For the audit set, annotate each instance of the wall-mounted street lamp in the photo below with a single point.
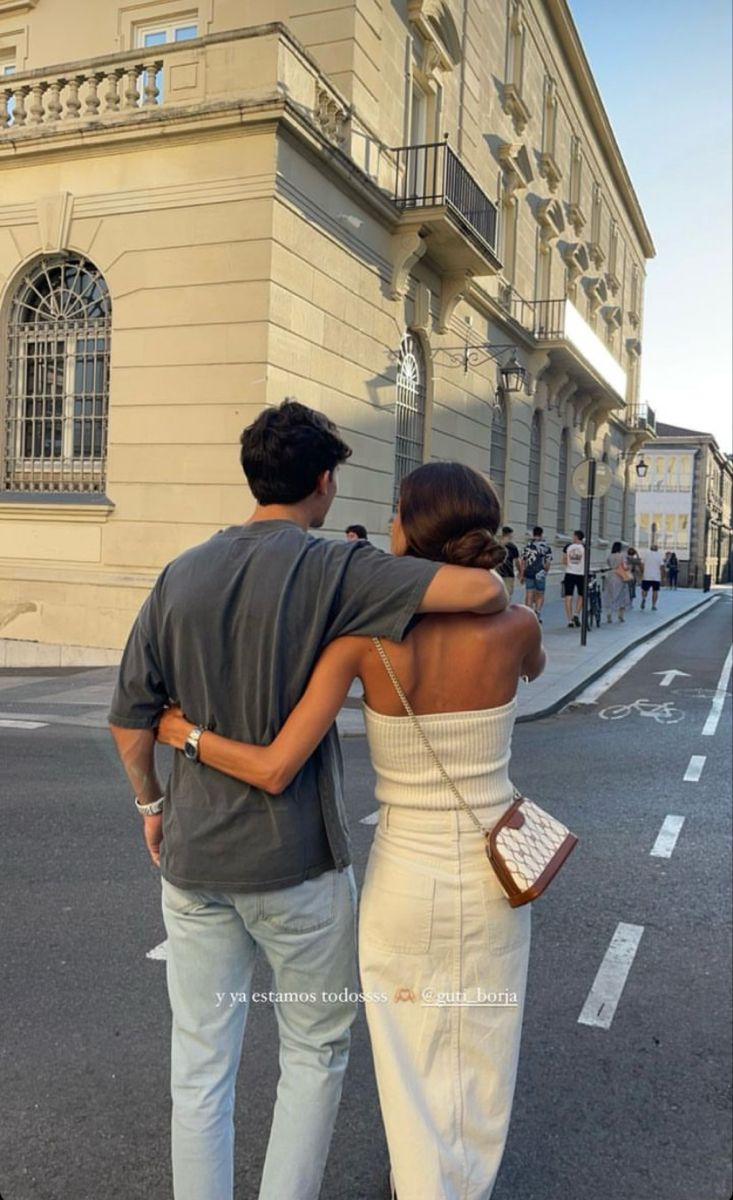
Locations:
(642, 467)
(514, 377)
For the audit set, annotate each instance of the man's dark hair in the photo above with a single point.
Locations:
(286, 449)
(506, 530)
(359, 530)
(537, 531)
(578, 533)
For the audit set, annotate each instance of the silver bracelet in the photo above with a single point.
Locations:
(150, 810)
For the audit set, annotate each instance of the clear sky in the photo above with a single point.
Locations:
(663, 68)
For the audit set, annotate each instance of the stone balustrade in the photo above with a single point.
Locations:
(84, 95)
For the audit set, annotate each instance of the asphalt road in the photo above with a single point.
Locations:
(641, 1109)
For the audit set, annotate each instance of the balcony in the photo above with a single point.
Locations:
(220, 80)
(642, 417)
(559, 325)
(438, 196)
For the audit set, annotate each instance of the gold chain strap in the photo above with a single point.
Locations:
(406, 705)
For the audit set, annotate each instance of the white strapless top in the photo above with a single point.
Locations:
(474, 748)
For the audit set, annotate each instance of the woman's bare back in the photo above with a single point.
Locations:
(455, 663)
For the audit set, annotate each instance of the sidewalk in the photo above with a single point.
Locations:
(81, 696)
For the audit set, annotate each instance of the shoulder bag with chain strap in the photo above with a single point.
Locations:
(527, 846)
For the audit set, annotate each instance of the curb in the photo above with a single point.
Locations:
(583, 683)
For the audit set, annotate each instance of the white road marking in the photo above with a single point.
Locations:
(159, 952)
(694, 768)
(669, 676)
(716, 707)
(609, 983)
(667, 837)
(592, 694)
(371, 819)
(7, 723)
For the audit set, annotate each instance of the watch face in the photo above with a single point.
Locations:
(190, 751)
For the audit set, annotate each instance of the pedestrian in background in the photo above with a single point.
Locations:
(673, 569)
(506, 569)
(616, 583)
(651, 576)
(356, 533)
(573, 557)
(634, 564)
(533, 567)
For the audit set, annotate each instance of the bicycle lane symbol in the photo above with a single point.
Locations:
(663, 714)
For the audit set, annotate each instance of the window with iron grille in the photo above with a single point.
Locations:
(409, 411)
(497, 453)
(533, 483)
(562, 482)
(57, 379)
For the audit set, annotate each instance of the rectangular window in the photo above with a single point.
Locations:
(682, 533)
(670, 523)
(150, 35)
(7, 68)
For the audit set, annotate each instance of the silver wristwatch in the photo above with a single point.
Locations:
(150, 810)
(191, 744)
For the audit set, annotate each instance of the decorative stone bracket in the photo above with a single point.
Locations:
(550, 220)
(454, 288)
(576, 217)
(406, 249)
(516, 168)
(514, 107)
(550, 171)
(331, 117)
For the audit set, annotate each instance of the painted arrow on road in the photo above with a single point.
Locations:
(669, 676)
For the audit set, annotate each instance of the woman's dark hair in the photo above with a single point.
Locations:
(450, 513)
(616, 548)
(286, 449)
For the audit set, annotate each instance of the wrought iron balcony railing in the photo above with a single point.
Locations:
(433, 176)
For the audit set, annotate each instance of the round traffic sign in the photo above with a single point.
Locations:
(581, 477)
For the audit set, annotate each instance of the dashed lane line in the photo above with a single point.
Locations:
(694, 768)
(667, 837)
(602, 1001)
(721, 692)
(8, 723)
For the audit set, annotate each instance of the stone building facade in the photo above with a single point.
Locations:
(206, 205)
(684, 503)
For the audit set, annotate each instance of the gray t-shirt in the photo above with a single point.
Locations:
(231, 631)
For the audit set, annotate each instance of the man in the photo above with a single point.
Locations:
(533, 567)
(573, 558)
(356, 533)
(506, 569)
(231, 631)
(651, 577)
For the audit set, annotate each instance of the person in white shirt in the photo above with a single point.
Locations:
(573, 558)
(652, 577)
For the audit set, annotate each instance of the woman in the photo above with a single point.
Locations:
(438, 939)
(673, 570)
(617, 583)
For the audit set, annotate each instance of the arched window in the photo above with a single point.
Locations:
(58, 379)
(535, 463)
(497, 453)
(562, 483)
(409, 410)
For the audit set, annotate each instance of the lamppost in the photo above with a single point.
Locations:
(590, 480)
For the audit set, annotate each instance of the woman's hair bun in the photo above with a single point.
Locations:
(475, 548)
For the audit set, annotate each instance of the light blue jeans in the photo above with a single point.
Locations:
(308, 937)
